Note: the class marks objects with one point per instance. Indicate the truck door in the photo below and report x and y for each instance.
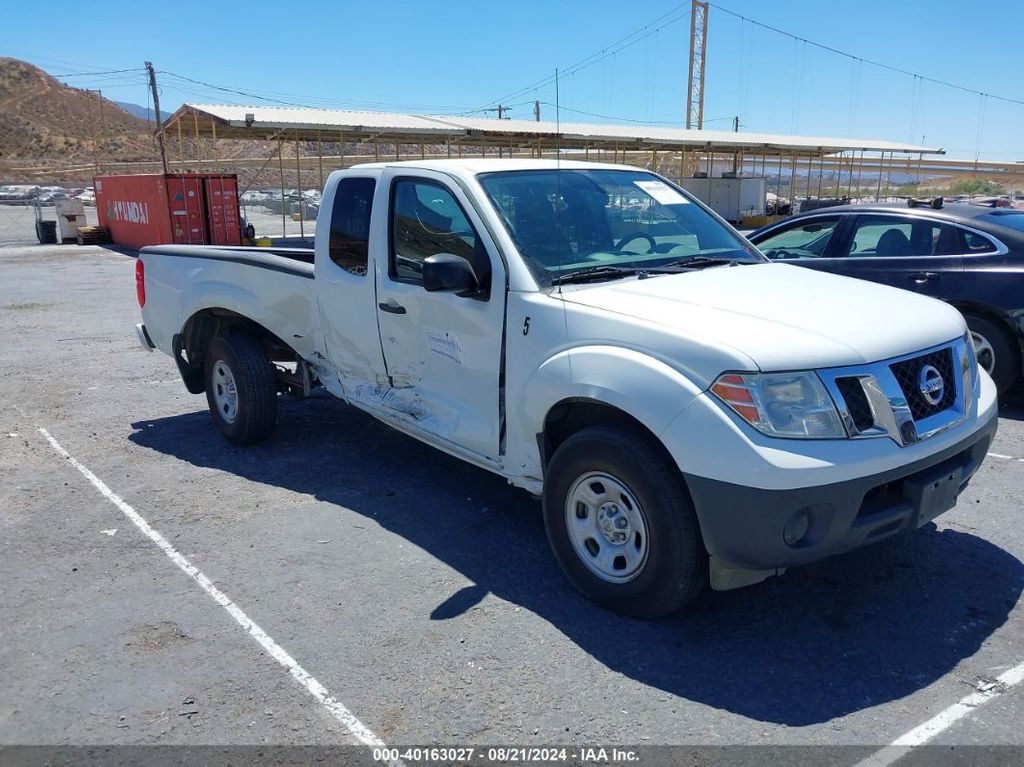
(443, 351)
(346, 292)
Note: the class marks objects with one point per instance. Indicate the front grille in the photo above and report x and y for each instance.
(908, 373)
(856, 402)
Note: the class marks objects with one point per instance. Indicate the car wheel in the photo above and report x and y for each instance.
(621, 523)
(241, 389)
(998, 353)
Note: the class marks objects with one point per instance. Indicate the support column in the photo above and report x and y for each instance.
(280, 165)
(302, 198)
(199, 147)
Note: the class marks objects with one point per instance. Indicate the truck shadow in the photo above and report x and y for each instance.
(821, 642)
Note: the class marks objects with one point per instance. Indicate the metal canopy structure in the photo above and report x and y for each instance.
(223, 121)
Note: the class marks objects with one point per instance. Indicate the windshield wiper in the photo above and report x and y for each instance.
(588, 273)
(702, 262)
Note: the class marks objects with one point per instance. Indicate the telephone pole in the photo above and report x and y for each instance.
(501, 109)
(536, 111)
(156, 111)
(97, 137)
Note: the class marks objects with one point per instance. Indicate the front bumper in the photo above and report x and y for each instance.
(743, 526)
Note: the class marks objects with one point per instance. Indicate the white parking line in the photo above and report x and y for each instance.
(1000, 455)
(943, 720)
(357, 729)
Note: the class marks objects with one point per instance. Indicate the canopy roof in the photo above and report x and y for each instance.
(227, 121)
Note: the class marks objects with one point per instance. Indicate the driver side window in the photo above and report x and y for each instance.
(426, 220)
(807, 239)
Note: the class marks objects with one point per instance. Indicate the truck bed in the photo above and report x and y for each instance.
(271, 286)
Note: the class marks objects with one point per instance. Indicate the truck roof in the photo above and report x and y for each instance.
(474, 165)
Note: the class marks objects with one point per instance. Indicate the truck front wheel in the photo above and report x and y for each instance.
(240, 388)
(621, 523)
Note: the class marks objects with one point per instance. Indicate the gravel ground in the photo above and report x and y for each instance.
(418, 590)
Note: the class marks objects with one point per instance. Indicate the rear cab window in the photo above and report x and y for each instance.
(350, 224)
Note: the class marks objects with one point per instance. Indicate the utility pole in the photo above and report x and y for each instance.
(501, 109)
(156, 111)
(736, 124)
(698, 57)
(536, 112)
(94, 135)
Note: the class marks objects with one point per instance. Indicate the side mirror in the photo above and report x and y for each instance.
(448, 273)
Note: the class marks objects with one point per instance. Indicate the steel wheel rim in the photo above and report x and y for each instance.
(225, 392)
(984, 352)
(607, 527)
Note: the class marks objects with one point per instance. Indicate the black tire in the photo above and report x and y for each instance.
(255, 412)
(1005, 351)
(676, 567)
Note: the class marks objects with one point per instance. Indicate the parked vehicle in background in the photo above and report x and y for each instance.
(50, 196)
(970, 256)
(687, 410)
(87, 196)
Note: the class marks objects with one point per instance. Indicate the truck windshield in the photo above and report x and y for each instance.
(608, 223)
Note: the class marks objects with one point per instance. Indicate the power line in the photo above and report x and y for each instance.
(103, 72)
(600, 55)
(269, 96)
(612, 117)
(666, 123)
(879, 64)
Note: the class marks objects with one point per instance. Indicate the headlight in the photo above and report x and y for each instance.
(792, 405)
(972, 362)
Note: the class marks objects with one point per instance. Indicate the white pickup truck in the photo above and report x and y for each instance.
(688, 411)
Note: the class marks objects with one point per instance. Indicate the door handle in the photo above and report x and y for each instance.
(920, 278)
(392, 307)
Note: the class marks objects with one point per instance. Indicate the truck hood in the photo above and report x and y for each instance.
(781, 317)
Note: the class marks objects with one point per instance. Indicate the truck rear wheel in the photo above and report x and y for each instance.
(240, 388)
(621, 524)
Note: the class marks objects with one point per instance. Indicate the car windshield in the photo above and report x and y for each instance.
(608, 223)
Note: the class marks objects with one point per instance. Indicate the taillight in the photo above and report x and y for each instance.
(140, 282)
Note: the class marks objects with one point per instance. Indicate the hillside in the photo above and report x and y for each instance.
(43, 119)
(143, 113)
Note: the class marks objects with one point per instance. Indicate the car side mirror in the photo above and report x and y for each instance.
(448, 273)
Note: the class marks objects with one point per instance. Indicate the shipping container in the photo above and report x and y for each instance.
(177, 208)
(222, 210)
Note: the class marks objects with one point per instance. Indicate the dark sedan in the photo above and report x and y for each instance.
(968, 255)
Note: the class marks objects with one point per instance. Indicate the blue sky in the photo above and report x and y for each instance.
(458, 56)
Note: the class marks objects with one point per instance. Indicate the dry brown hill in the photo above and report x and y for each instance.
(41, 118)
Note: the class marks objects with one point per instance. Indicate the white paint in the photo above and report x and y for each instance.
(944, 719)
(999, 455)
(357, 729)
(111, 532)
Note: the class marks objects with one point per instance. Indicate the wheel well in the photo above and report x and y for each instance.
(988, 313)
(570, 416)
(999, 319)
(191, 345)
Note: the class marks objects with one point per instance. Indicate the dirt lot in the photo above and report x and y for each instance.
(418, 591)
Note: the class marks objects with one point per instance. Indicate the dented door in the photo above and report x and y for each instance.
(443, 352)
